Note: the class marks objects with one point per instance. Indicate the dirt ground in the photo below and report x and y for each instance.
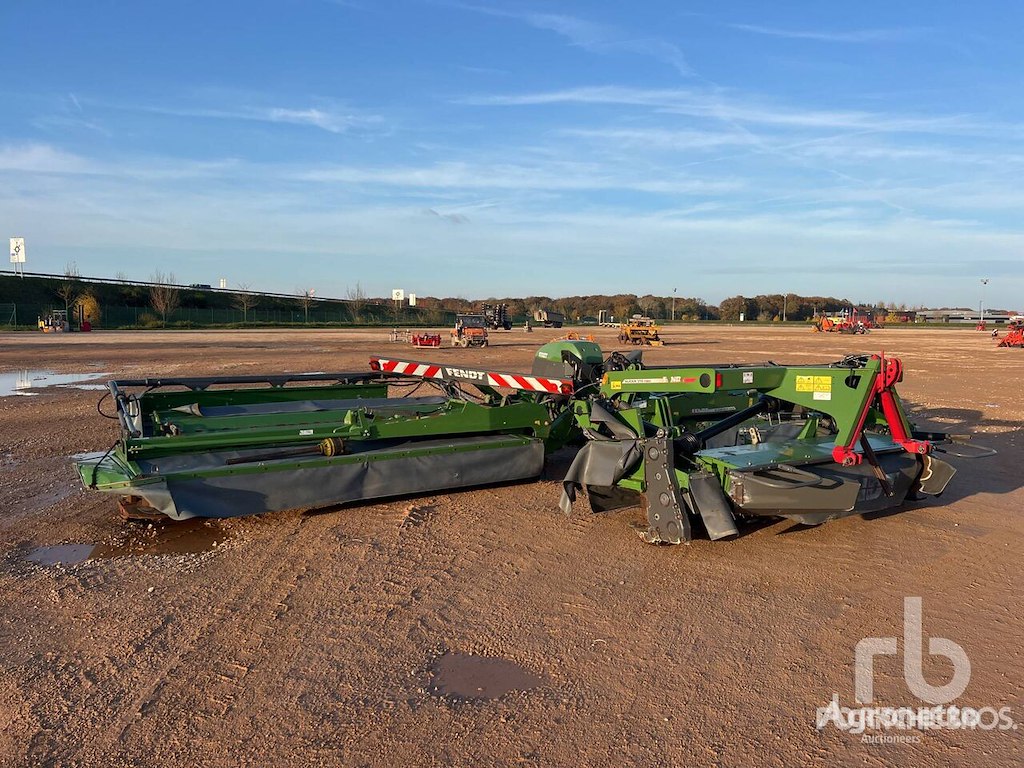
(312, 639)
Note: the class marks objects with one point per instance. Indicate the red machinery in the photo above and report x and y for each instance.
(843, 322)
(423, 340)
(1014, 335)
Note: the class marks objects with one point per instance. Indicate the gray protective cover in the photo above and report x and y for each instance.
(433, 466)
(842, 491)
(601, 461)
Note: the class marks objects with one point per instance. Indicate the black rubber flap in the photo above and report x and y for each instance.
(707, 497)
(935, 475)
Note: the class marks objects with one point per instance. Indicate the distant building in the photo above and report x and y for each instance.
(965, 316)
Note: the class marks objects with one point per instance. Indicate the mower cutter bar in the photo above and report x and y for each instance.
(204, 382)
(485, 378)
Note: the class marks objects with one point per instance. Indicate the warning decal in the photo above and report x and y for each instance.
(814, 384)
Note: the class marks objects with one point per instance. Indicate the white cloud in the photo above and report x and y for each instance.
(659, 138)
(41, 158)
(45, 159)
(565, 198)
(593, 36)
(113, 223)
(726, 107)
(335, 119)
(894, 35)
(334, 122)
(552, 176)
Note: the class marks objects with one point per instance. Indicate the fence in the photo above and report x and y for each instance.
(127, 317)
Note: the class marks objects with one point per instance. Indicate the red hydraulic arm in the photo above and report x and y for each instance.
(889, 374)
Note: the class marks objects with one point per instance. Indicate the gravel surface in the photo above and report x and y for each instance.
(315, 639)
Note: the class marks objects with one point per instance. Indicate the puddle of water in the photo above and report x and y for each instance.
(20, 382)
(61, 554)
(462, 676)
(188, 537)
(97, 387)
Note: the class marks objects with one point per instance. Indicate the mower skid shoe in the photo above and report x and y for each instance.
(666, 511)
(935, 475)
(708, 500)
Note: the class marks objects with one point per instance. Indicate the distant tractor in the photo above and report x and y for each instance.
(497, 317)
(469, 331)
(843, 322)
(640, 330)
(549, 319)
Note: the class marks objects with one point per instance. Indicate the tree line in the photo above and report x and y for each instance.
(763, 307)
(164, 297)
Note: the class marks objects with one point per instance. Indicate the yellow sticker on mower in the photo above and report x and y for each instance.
(813, 383)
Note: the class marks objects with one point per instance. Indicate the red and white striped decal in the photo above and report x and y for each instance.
(488, 378)
(403, 368)
(529, 383)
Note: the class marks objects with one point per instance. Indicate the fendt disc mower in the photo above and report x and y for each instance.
(703, 446)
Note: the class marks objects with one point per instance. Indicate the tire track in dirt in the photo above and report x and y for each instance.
(408, 603)
(170, 646)
(412, 563)
(248, 647)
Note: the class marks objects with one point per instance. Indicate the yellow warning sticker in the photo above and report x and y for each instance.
(813, 383)
(616, 385)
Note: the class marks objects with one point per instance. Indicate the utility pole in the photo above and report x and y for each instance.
(785, 299)
(981, 304)
(673, 305)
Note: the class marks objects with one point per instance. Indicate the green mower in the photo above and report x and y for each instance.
(698, 447)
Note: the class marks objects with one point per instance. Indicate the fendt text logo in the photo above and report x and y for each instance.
(907, 721)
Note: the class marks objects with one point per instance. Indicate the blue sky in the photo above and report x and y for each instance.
(872, 150)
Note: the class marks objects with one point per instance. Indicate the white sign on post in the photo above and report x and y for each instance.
(17, 250)
(397, 294)
(412, 299)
